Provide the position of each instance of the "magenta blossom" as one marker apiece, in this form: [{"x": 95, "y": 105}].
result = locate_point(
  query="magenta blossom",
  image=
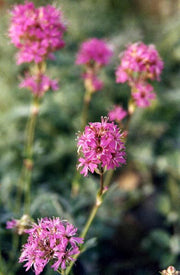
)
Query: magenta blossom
[
  {"x": 117, "y": 114},
  {"x": 92, "y": 82},
  {"x": 39, "y": 84},
  {"x": 50, "y": 240},
  {"x": 94, "y": 50},
  {"x": 11, "y": 224},
  {"x": 139, "y": 62},
  {"x": 36, "y": 32},
  {"x": 100, "y": 146},
  {"x": 143, "y": 95},
  {"x": 20, "y": 225}
]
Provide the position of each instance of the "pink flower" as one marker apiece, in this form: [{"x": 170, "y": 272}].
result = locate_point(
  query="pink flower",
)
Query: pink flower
[
  {"x": 139, "y": 62},
  {"x": 92, "y": 82},
  {"x": 39, "y": 84},
  {"x": 20, "y": 225},
  {"x": 11, "y": 224},
  {"x": 143, "y": 95},
  {"x": 50, "y": 240},
  {"x": 100, "y": 146},
  {"x": 117, "y": 114},
  {"x": 36, "y": 32},
  {"x": 94, "y": 50}
]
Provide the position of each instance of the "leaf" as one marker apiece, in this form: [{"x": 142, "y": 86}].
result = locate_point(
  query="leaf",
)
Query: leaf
[{"x": 89, "y": 244}]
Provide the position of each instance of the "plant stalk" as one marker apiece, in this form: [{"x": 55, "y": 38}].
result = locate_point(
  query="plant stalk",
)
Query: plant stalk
[{"x": 98, "y": 202}]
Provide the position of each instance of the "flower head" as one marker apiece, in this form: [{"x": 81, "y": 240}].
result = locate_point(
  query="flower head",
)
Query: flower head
[
  {"x": 139, "y": 62},
  {"x": 36, "y": 32},
  {"x": 143, "y": 95},
  {"x": 39, "y": 84},
  {"x": 117, "y": 114},
  {"x": 92, "y": 51},
  {"x": 100, "y": 146},
  {"x": 50, "y": 240},
  {"x": 170, "y": 271},
  {"x": 20, "y": 225}
]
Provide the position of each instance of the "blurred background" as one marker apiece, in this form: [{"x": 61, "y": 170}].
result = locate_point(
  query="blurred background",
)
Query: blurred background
[{"x": 137, "y": 229}]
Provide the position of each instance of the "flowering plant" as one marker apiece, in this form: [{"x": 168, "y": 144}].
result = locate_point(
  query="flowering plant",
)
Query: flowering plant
[{"x": 50, "y": 240}]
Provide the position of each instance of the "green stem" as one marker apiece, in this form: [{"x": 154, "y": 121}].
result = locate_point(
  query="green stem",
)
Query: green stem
[
  {"x": 98, "y": 202},
  {"x": 19, "y": 191},
  {"x": 108, "y": 177},
  {"x": 62, "y": 272},
  {"x": 87, "y": 99},
  {"x": 90, "y": 219},
  {"x": 28, "y": 161},
  {"x": 31, "y": 128},
  {"x": 75, "y": 184},
  {"x": 25, "y": 176},
  {"x": 101, "y": 184}
]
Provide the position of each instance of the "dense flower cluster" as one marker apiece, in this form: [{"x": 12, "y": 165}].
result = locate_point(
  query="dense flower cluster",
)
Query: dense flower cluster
[
  {"x": 39, "y": 84},
  {"x": 36, "y": 32},
  {"x": 100, "y": 146},
  {"x": 117, "y": 114},
  {"x": 94, "y": 54},
  {"x": 139, "y": 62},
  {"x": 143, "y": 95},
  {"x": 50, "y": 240},
  {"x": 94, "y": 51}
]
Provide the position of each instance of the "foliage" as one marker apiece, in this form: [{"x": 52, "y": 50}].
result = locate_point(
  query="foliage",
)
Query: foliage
[{"x": 138, "y": 227}]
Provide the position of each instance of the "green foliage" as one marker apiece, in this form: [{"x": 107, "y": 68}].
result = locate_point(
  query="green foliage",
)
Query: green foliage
[{"x": 137, "y": 230}]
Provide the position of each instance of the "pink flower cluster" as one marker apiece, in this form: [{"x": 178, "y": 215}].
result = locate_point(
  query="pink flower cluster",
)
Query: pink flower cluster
[
  {"x": 100, "y": 146},
  {"x": 39, "y": 84},
  {"x": 50, "y": 240},
  {"x": 140, "y": 63},
  {"x": 94, "y": 54},
  {"x": 143, "y": 95},
  {"x": 36, "y": 32},
  {"x": 117, "y": 114},
  {"x": 92, "y": 51}
]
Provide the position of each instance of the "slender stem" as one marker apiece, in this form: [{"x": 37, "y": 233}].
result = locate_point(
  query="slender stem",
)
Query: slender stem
[
  {"x": 86, "y": 102},
  {"x": 31, "y": 129},
  {"x": 90, "y": 219},
  {"x": 26, "y": 171},
  {"x": 62, "y": 272},
  {"x": 75, "y": 184},
  {"x": 87, "y": 99},
  {"x": 84, "y": 233},
  {"x": 28, "y": 161},
  {"x": 98, "y": 202},
  {"x": 108, "y": 177},
  {"x": 101, "y": 184},
  {"x": 19, "y": 190}
]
